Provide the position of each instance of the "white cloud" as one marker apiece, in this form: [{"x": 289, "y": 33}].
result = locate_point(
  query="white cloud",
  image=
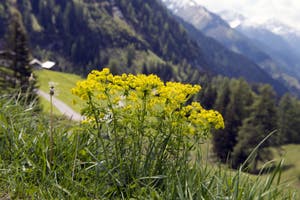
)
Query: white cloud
[{"x": 286, "y": 11}]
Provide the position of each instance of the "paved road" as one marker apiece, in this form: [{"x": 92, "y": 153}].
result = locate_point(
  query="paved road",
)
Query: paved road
[{"x": 62, "y": 107}]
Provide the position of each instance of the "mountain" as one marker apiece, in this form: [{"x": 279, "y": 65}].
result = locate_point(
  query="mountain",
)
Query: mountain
[
  {"x": 214, "y": 26},
  {"x": 275, "y": 44},
  {"x": 192, "y": 11},
  {"x": 127, "y": 36},
  {"x": 279, "y": 40},
  {"x": 225, "y": 61},
  {"x": 222, "y": 60},
  {"x": 234, "y": 19}
]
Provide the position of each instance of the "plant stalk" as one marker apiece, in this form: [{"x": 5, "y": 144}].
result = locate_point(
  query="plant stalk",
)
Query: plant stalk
[{"x": 51, "y": 124}]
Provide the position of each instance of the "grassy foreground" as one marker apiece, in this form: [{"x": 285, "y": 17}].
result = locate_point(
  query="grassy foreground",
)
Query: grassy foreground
[{"x": 76, "y": 172}]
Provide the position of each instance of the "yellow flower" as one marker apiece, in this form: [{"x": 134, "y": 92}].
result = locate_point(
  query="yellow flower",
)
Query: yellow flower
[{"x": 133, "y": 93}]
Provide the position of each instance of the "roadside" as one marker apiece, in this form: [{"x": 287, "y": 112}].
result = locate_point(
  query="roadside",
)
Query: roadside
[{"x": 62, "y": 107}]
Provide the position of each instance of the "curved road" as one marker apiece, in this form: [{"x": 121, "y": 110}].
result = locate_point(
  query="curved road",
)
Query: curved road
[{"x": 62, "y": 107}]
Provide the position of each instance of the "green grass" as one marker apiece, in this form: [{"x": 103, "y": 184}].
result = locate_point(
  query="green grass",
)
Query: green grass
[
  {"x": 63, "y": 83},
  {"x": 288, "y": 154},
  {"x": 291, "y": 165},
  {"x": 79, "y": 172}
]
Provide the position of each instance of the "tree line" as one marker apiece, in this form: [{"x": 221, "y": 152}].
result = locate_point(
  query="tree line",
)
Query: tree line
[{"x": 251, "y": 113}]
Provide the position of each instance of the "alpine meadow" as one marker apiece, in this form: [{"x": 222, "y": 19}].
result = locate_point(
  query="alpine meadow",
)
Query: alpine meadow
[{"x": 173, "y": 102}]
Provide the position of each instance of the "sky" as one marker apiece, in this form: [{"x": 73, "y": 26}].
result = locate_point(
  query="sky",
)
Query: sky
[{"x": 286, "y": 11}]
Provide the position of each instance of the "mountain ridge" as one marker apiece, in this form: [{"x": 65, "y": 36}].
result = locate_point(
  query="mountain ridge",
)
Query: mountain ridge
[
  {"x": 274, "y": 38},
  {"x": 214, "y": 26}
]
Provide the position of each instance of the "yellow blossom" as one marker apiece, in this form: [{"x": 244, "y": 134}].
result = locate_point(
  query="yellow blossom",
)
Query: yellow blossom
[{"x": 136, "y": 94}]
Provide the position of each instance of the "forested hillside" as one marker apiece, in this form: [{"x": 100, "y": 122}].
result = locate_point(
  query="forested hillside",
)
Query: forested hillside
[
  {"x": 92, "y": 34},
  {"x": 134, "y": 36},
  {"x": 227, "y": 62}
]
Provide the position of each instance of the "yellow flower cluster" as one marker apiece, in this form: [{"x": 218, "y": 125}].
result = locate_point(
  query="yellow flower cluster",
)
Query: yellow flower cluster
[
  {"x": 199, "y": 117},
  {"x": 132, "y": 94}
]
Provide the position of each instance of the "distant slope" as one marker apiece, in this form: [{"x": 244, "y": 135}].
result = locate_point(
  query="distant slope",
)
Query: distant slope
[
  {"x": 229, "y": 63},
  {"x": 278, "y": 47},
  {"x": 291, "y": 166},
  {"x": 214, "y": 26},
  {"x": 277, "y": 39}
]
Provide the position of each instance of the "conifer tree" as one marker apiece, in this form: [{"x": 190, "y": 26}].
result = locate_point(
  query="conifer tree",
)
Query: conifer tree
[
  {"x": 221, "y": 146},
  {"x": 20, "y": 47},
  {"x": 261, "y": 121},
  {"x": 18, "y": 43},
  {"x": 289, "y": 120},
  {"x": 233, "y": 101},
  {"x": 208, "y": 92}
]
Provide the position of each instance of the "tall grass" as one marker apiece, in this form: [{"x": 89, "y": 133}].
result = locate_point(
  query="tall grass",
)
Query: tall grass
[{"x": 79, "y": 170}]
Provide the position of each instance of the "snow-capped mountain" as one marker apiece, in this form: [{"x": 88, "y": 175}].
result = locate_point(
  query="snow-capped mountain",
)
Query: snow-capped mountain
[
  {"x": 176, "y": 5},
  {"x": 275, "y": 26},
  {"x": 280, "y": 28},
  {"x": 279, "y": 40},
  {"x": 191, "y": 10},
  {"x": 214, "y": 26},
  {"x": 226, "y": 30},
  {"x": 233, "y": 19}
]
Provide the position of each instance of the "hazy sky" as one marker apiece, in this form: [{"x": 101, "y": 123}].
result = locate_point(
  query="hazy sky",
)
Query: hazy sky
[{"x": 287, "y": 11}]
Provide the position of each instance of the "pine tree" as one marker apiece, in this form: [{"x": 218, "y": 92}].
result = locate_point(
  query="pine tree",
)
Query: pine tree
[
  {"x": 221, "y": 144},
  {"x": 289, "y": 120},
  {"x": 261, "y": 121},
  {"x": 18, "y": 43},
  {"x": 130, "y": 55},
  {"x": 233, "y": 102},
  {"x": 208, "y": 92}
]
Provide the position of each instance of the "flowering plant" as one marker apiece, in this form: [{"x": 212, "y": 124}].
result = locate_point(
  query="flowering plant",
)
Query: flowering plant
[{"x": 144, "y": 127}]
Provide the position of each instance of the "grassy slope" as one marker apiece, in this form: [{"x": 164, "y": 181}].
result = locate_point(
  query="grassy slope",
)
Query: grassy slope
[
  {"x": 291, "y": 163},
  {"x": 63, "y": 84},
  {"x": 291, "y": 168},
  {"x": 46, "y": 107},
  {"x": 289, "y": 155}
]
